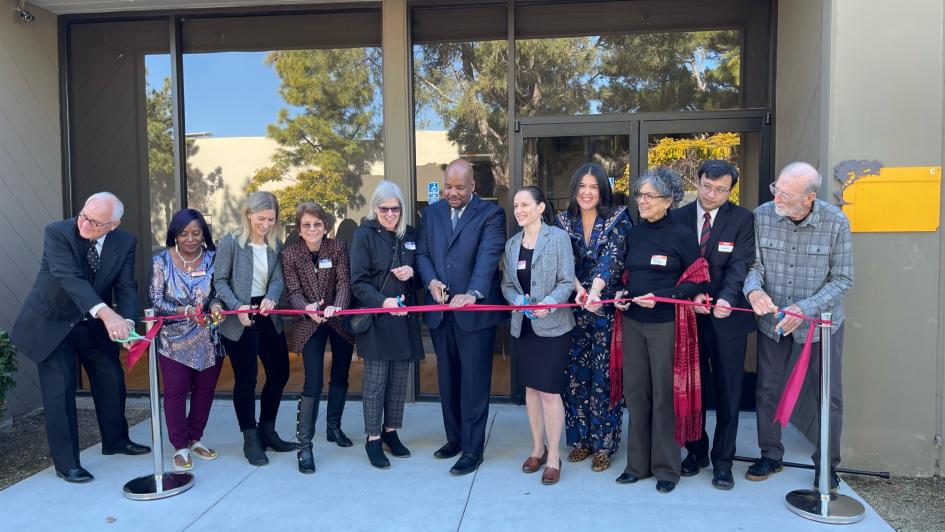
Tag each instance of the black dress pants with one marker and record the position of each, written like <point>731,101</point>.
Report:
<point>58,376</point>
<point>722,367</point>
<point>260,339</point>
<point>464,375</point>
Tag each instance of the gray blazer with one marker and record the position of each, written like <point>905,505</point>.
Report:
<point>552,280</point>
<point>233,281</point>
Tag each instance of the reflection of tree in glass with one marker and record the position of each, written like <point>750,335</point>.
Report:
<point>161,159</point>
<point>685,153</point>
<point>332,135</point>
<point>680,71</point>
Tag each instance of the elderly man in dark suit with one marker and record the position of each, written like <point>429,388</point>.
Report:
<point>458,251</point>
<point>726,237</point>
<point>87,262</point>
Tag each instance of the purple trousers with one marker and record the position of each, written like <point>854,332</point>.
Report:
<point>179,380</point>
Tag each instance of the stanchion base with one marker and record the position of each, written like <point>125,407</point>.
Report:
<point>145,488</point>
<point>839,510</point>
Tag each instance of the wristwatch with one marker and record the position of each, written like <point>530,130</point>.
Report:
<point>475,293</point>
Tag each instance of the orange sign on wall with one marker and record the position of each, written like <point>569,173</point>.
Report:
<point>897,199</point>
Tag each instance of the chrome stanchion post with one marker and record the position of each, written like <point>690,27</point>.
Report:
<point>821,504</point>
<point>160,485</point>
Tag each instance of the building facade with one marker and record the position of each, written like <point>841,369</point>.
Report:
<point>172,104</point>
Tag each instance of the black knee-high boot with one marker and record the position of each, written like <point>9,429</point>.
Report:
<point>304,430</point>
<point>336,406</point>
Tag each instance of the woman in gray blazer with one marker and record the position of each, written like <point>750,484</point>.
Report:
<point>538,267</point>
<point>248,274</point>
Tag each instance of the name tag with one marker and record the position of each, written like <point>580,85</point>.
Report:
<point>410,246</point>
<point>198,273</point>
<point>522,265</point>
<point>726,247</point>
<point>658,260</point>
<point>324,263</point>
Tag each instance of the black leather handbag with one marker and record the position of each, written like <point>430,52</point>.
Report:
<point>358,324</point>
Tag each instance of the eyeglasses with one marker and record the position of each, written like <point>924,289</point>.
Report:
<point>93,223</point>
<point>385,210</point>
<point>647,196</point>
<point>706,187</point>
<point>312,226</point>
<point>775,191</point>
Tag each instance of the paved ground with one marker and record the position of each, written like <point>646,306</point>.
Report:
<point>417,493</point>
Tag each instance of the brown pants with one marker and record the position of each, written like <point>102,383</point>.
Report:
<point>648,391</point>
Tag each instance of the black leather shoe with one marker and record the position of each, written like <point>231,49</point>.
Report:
<point>466,464</point>
<point>129,448</point>
<point>763,468</point>
<point>336,436</point>
<point>834,480</point>
<point>627,478</point>
<point>665,486</point>
<point>447,451</point>
<point>375,453</point>
<point>393,445</point>
<point>691,465</point>
<point>722,479</point>
<point>76,475</point>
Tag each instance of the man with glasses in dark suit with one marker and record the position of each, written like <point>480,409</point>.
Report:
<point>725,232</point>
<point>67,318</point>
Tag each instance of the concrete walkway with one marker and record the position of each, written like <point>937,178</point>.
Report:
<point>416,493</point>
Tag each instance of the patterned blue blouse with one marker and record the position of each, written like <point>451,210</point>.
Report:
<point>183,341</point>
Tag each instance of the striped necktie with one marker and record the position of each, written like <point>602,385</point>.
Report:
<point>706,229</point>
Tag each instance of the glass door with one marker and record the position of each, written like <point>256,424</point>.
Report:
<point>548,150</point>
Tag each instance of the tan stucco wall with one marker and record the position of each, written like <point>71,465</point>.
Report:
<point>863,79</point>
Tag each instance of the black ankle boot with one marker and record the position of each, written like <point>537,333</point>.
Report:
<point>393,445</point>
<point>304,429</point>
<point>336,406</point>
<point>270,439</point>
<point>375,453</point>
<point>253,448</point>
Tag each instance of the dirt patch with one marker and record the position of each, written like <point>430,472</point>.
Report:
<point>905,503</point>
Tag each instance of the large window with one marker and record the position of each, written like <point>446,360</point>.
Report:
<point>460,74</point>
<point>289,103</point>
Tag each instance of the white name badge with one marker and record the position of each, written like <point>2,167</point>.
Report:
<point>198,273</point>
<point>522,265</point>
<point>324,263</point>
<point>726,247</point>
<point>658,260</point>
<point>411,246</point>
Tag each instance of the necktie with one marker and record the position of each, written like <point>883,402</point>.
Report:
<point>706,229</point>
<point>454,218</point>
<point>93,257</point>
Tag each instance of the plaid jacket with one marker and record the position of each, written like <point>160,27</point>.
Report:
<point>809,264</point>
<point>304,284</point>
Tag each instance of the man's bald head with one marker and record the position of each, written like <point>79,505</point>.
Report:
<point>458,183</point>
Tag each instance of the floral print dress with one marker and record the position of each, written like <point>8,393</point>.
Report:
<point>590,422</point>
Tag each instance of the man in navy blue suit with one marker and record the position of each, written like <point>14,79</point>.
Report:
<point>458,251</point>
<point>726,236</point>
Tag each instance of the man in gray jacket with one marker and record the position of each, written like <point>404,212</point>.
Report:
<point>803,264</point>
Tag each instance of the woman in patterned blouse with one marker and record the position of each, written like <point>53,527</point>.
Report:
<point>598,232</point>
<point>191,356</point>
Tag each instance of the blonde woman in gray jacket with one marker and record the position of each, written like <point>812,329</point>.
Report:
<point>248,275</point>
<point>538,267</point>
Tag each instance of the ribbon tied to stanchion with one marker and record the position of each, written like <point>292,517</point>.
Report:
<point>782,415</point>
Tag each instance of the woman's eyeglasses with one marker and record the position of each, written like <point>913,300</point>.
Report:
<point>386,210</point>
<point>647,196</point>
<point>310,227</point>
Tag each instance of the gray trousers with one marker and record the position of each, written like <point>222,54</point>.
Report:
<point>648,392</point>
<point>773,360</point>
<point>383,393</point>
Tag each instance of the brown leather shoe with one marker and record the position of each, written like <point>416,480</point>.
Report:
<point>532,463</point>
<point>551,475</point>
<point>579,454</point>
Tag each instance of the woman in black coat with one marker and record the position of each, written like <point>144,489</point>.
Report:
<point>382,275</point>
